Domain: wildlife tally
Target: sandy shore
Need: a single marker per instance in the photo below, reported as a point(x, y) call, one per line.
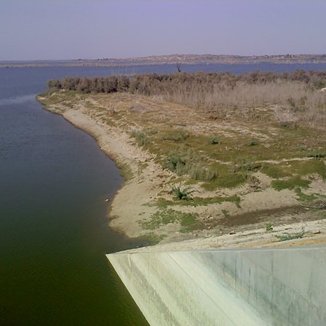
point(146, 181)
point(132, 202)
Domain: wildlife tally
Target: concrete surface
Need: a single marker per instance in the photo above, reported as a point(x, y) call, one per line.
point(227, 287)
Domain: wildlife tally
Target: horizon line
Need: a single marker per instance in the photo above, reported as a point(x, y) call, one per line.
point(165, 55)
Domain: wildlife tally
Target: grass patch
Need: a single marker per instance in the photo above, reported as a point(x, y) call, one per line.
point(290, 236)
point(317, 155)
point(191, 182)
point(197, 201)
point(176, 135)
point(300, 168)
point(175, 163)
point(230, 180)
point(194, 157)
point(153, 238)
point(275, 171)
point(186, 162)
point(290, 183)
point(125, 171)
point(140, 137)
point(161, 217)
point(304, 197)
point(310, 167)
point(247, 166)
point(188, 221)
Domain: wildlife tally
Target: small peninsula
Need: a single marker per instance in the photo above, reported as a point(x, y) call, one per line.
point(209, 160)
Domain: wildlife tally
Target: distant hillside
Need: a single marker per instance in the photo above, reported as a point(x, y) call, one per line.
point(210, 58)
point(173, 59)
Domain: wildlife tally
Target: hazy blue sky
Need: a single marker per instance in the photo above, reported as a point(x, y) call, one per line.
point(66, 29)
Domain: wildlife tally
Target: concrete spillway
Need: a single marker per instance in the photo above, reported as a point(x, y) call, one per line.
point(227, 287)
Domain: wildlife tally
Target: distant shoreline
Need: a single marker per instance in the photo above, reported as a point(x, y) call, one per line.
point(171, 59)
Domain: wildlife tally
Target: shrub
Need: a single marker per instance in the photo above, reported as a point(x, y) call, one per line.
point(141, 137)
point(214, 140)
point(175, 163)
point(182, 193)
point(269, 227)
point(253, 142)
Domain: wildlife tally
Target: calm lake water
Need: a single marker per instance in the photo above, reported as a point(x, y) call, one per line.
point(53, 223)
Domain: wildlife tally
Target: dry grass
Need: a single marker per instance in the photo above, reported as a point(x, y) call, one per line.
point(296, 98)
point(292, 101)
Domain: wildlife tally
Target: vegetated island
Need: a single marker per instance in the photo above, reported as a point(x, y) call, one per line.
point(184, 59)
point(209, 160)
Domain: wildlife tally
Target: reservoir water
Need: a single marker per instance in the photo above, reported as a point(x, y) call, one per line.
point(53, 215)
point(53, 224)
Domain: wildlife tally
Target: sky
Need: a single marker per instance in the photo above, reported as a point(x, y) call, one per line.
point(72, 29)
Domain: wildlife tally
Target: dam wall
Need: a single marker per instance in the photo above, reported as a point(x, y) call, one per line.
point(227, 287)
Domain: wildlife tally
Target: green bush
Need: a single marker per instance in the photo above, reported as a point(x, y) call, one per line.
point(182, 193)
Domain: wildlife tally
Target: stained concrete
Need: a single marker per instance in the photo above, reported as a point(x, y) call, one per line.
point(227, 287)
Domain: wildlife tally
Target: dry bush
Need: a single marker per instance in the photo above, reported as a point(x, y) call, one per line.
point(292, 96)
point(290, 100)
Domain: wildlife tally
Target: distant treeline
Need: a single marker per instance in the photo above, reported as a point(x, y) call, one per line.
point(156, 84)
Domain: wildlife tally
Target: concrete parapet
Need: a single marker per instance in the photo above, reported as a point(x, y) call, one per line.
point(227, 287)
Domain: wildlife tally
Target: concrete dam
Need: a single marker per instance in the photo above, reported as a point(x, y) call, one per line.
point(227, 287)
